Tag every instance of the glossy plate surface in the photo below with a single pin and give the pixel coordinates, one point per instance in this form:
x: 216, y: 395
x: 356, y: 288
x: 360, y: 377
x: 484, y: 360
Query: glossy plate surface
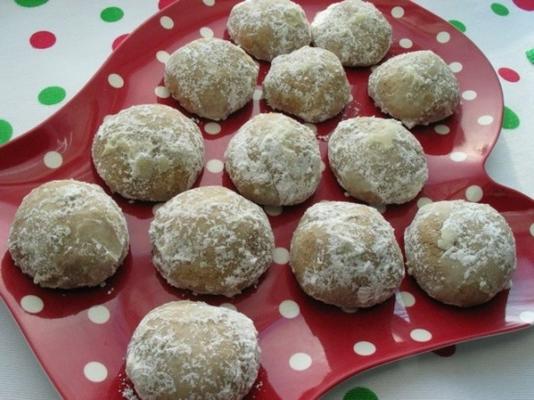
x: 82, y: 349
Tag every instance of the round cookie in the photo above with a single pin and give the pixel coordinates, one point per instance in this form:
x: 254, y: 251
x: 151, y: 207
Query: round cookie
x: 186, y: 350
x: 355, y: 31
x: 346, y: 254
x: 377, y: 160
x: 268, y: 28
x: 148, y: 152
x: 274, y: 160
x: 211, y: 240
x: 309, y: 83
x: 68, y: 234
x: 460, y: 253
x: 211, y: 77
x: 417, y: 88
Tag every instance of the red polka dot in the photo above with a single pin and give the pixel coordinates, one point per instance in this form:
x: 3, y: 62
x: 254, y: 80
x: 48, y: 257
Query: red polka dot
x: 508, y: 74
x: 116, y: 43
x: 42, y: 40
x: 164, y: 3
x: 446, y: 351
x: 527, y: 5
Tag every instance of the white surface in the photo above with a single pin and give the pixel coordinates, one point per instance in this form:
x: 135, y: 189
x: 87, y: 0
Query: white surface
x: 491, y: 369
x: 497, y: 368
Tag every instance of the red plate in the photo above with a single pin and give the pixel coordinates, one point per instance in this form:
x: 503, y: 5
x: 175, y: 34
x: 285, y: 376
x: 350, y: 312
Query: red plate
x: 302, y: 356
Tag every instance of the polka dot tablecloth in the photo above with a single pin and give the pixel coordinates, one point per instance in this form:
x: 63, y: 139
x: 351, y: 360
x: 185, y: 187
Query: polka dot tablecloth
x: 50, y: 49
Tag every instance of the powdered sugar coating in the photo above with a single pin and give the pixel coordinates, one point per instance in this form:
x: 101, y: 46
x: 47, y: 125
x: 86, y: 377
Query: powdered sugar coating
x: 148, y: 152
x: 211, y: 77
x: 194, y: 351
x: 309, y: 83
x: 417, y: 88
x: 346, y: 254
x: 268, y: 28
x: 68, y: 234
x: 355, y: 31
x: 211, y: 240
x: 377, y: 160
x: 274, y: 160
x: 459, y: 252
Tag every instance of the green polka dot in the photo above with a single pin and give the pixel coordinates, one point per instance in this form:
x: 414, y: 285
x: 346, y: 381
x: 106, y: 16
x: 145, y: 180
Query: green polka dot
x: 6, y: 131
x: 499, y: 9
x: 360, y: 393
x: 510, y: 119
x: 111, y: 14
x: 30, y: 3
x: 51, y: 95
x: 530, y: 55
x: 457, y: 24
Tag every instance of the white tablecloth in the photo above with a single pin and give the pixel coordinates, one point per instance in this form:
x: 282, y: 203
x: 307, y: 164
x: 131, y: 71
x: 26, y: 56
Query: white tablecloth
x: 496, y: 368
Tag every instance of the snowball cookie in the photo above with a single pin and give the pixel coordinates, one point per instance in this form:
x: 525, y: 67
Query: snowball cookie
x: 309, y: 83
x: 211, y: 77
x: 68, y: 234
x: 148, y: 152
x: 377, y: 160
x: 460, y: 253
x: 274, y: 160
x: 417, y: 88
x: 268, y: 28
x: 346, y: 254
x: 355, y: 31
x: 186, y: 350
x: 211, y: 240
